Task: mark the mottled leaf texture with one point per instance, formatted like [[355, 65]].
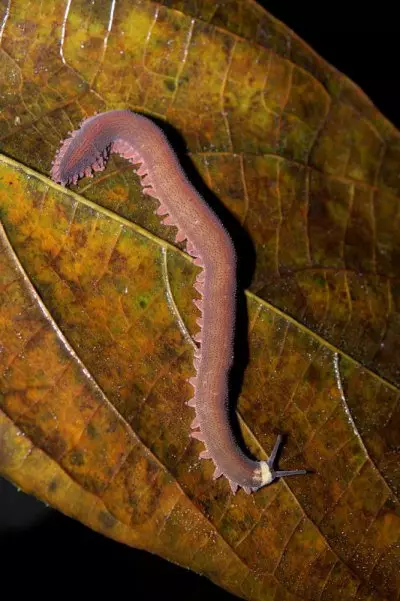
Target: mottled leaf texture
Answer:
[[96, 312]]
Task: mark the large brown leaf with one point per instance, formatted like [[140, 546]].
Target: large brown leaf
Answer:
[[96, 315]]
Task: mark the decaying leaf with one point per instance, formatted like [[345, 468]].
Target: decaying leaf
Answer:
[[96, 312]]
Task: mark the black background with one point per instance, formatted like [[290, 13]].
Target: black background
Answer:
[[46, 553]]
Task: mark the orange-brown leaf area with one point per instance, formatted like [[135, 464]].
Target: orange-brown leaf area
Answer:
[[96, 312]]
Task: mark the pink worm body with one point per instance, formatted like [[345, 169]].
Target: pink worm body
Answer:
[[140, 141]]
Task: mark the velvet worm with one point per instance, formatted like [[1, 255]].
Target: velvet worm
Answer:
[[140, 141]]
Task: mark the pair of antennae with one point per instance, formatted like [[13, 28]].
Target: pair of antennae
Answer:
[[272, 459]]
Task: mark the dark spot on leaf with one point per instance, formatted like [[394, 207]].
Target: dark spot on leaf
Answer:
[[77, 458], [107, 520], [320, 281], [170, 85], [91, 430], [55, 446], [53, 485], [80, 236]]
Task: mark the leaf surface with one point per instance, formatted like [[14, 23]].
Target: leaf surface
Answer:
[[96, 312]]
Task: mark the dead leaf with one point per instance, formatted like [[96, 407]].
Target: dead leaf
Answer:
[[96, 312]]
